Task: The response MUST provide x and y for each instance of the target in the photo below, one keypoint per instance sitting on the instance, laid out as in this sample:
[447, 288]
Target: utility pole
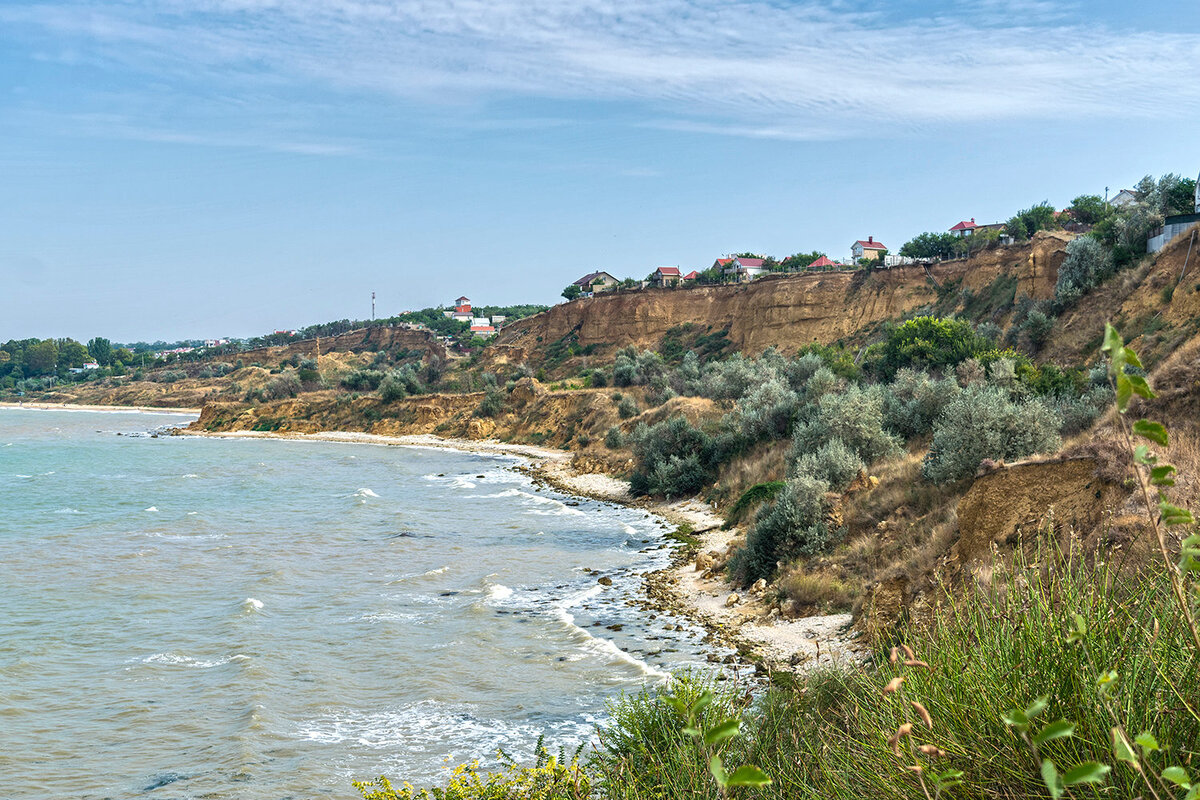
[372, 306]
[1106, 197]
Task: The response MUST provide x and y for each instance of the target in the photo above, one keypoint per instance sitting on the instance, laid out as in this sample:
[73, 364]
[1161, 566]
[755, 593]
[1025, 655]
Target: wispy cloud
[747, 67]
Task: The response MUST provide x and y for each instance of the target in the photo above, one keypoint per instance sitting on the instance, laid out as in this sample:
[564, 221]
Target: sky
[176, 169]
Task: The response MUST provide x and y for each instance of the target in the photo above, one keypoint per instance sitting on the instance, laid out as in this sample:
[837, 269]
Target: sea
[196, 617]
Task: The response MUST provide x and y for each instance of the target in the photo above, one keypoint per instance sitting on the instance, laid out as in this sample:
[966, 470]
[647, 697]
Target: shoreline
[750, 623]
[44, 406]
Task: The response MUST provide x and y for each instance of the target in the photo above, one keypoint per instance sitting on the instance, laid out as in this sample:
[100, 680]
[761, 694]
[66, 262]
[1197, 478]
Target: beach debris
[604, 580]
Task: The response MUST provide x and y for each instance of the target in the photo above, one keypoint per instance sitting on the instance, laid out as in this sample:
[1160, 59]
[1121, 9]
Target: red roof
[823, 261]
[463, 300]
[871, 245]
[691, 276]
[483, 328]
[670, 271]
[964, 226]
[750, 262]
[724, 261]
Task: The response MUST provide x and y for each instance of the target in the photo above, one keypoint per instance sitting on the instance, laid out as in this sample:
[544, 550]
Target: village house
[823, 262]
[595, 282]
[691, 277]
[869, 249]
[741, 269]
[1125, 197]
[666, 276]
[482, 326]
[964, 229]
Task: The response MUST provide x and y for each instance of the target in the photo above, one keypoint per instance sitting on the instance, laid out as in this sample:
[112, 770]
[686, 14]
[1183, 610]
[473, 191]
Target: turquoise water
[188, 617]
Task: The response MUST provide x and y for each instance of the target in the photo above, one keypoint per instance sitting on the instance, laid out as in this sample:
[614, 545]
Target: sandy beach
[85, 407]
[749, 621]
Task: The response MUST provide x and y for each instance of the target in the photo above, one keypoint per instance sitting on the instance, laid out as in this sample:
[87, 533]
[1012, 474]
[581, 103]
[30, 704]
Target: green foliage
[758, 493]
[673, 458]
[929, 343]
[613, 439]
[934, 245]
[363, 380]
[1085, 266]
[1027, 222]
[983, 422]
[1089, 209]
[914, 401]
[627, 407]
[1038, 326]
[794, 525]
[101, 350]
[572, 292]
[854, 416]
[833, 462]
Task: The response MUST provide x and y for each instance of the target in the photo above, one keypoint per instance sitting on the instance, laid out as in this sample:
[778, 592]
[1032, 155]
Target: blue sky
[200, 168]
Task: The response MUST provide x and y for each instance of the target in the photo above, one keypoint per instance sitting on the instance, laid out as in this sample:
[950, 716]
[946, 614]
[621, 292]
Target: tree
[40, 358]
[1027, 222]
[1089, 209]
[101, 350]
[931, 245]
[572, 291]
[798, 261]
[71, 353]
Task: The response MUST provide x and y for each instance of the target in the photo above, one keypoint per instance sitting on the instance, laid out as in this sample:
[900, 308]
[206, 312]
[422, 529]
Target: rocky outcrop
[1008, 505]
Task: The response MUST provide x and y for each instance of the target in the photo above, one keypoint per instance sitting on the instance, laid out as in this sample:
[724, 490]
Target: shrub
[914, 400]
[170, 376]
[983, 422]
[768, 411]
[286, 385]
[672, 458]
[613, 439]
[758, 493]
[794, 525]
[929, 343]
[363, 380]
[1038, 326]
[631, 368]
[834, 463]
[856, 417]
[1078, 412]
[1085, 266]
[492, 403]
[627, 407]
[825, 592]
[392, 389]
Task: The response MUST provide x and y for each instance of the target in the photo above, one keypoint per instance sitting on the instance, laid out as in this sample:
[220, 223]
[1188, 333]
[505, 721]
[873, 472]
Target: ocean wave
[177, 659]
[251, 604]
[386, 616]
[364, 492]
[68, 511]
[190, 475]
[498, 591]
[600, 647]
[151, 508]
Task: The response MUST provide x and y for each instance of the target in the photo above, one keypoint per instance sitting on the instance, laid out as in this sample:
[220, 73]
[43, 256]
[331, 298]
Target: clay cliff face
[784, 311]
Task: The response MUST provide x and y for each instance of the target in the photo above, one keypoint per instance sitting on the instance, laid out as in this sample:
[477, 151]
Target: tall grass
[988, 653]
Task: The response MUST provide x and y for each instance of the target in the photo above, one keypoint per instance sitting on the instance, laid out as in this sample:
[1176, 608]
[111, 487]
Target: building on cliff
[742, 269]
[666, 276]
[595, 282]
[869, 249]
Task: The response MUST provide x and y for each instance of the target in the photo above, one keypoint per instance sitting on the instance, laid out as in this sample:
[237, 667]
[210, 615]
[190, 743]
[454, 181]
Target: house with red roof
[964, 228]
[666, 276]
[690, 277]
[742, 269]
[868, 248]
[823, 262]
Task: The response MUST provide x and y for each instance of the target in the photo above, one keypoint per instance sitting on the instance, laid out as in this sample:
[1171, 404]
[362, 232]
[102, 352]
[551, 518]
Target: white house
[868, 248]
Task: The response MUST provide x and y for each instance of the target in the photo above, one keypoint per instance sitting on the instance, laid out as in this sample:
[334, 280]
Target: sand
[84, 407]
[776, 643]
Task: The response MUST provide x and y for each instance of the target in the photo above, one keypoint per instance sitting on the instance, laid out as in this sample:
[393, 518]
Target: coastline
[748, 622]
[37, 404]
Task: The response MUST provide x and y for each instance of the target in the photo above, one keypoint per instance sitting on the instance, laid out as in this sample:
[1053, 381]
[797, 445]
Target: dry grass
[766, 462]
[817, 592]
